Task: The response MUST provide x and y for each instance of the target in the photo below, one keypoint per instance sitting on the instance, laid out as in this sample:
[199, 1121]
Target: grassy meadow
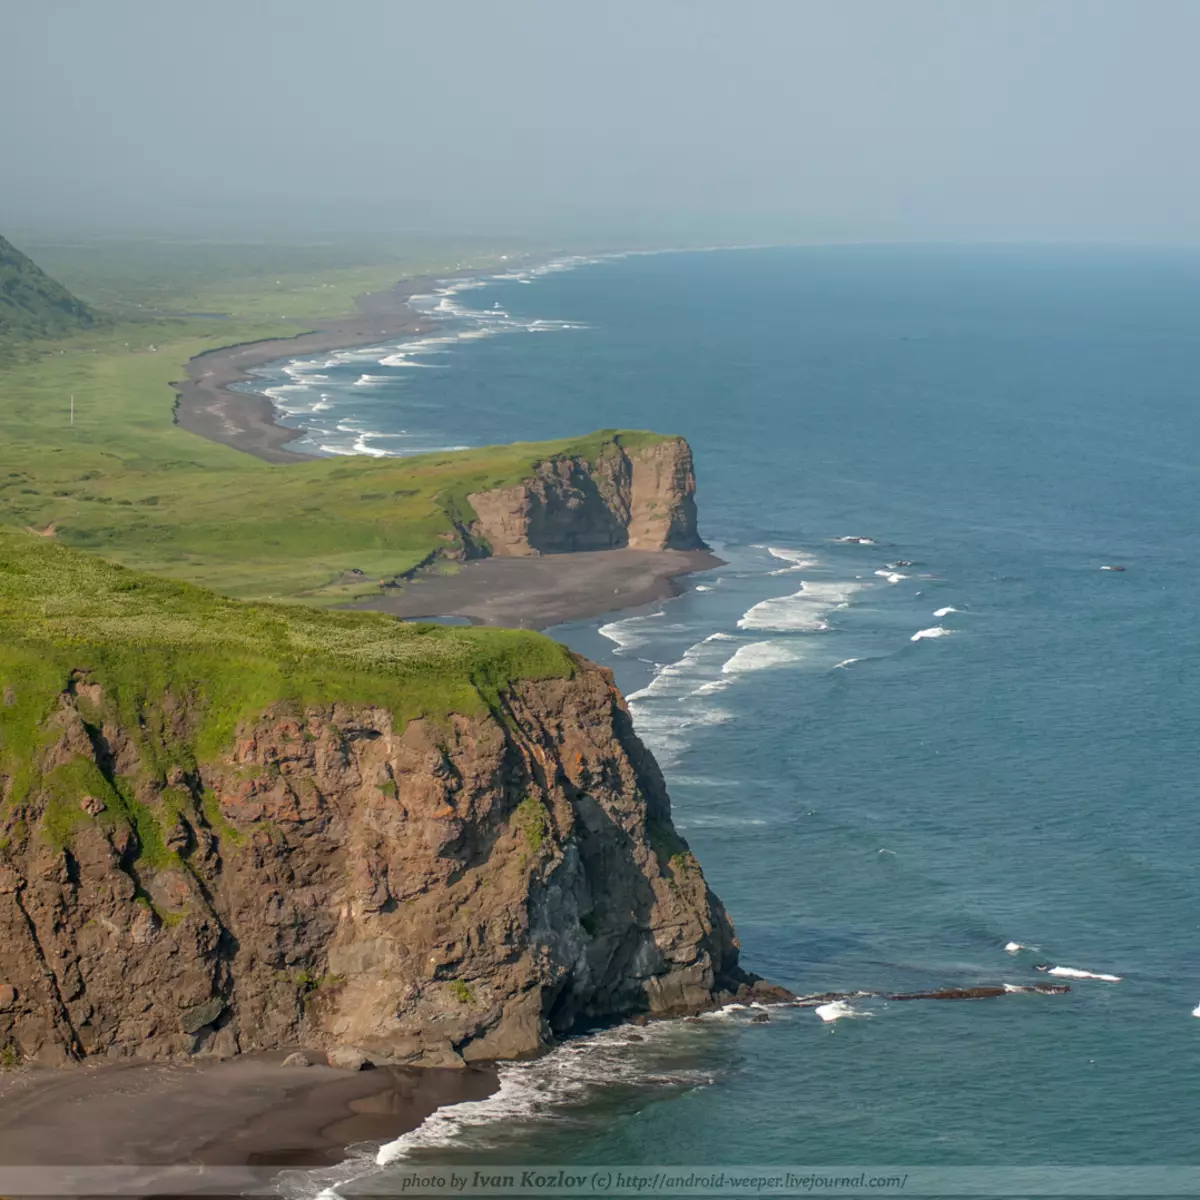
[126, 483]
[158, 649]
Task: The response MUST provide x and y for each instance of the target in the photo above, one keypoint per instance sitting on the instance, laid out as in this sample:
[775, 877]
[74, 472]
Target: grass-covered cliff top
[141, 639]
[124, 481]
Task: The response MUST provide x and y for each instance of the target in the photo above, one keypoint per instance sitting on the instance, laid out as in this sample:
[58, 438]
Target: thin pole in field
[72, 409]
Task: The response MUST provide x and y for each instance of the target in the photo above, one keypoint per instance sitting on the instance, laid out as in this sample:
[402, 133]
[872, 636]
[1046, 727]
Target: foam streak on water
[803, 610]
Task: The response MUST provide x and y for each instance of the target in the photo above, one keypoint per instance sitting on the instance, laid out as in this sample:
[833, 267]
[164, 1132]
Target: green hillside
[65, 614]
[32, 305]
[90, 455]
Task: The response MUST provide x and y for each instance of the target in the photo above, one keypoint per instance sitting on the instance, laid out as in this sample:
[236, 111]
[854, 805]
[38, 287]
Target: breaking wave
[803, 610]
[935, 631]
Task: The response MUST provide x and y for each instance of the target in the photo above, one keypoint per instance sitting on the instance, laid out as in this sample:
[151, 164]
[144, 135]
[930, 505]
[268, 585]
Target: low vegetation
[67, 616]
[122, 480]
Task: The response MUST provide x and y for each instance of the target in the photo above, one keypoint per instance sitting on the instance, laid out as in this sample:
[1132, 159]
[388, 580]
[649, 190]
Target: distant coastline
[529, 593]
[209, 406]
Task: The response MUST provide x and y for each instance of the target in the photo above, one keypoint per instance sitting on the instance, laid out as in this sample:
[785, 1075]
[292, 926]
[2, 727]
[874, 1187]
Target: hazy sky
[735, 119]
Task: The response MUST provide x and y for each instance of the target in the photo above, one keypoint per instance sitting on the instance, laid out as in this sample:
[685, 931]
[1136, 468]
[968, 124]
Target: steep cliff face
[641, 498]
[441, 893]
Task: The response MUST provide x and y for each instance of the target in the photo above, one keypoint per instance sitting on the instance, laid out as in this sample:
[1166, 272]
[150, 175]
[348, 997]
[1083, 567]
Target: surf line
[969, 993]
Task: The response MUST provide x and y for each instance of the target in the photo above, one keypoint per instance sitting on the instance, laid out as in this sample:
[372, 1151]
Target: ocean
[933, 755]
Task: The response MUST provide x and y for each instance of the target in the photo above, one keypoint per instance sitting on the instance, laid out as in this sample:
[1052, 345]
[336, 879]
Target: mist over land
[676, 122]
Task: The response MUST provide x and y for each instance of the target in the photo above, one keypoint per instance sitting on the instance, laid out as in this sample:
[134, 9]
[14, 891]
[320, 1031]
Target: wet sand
[249, 1111]
[208, 406]
[535, 593]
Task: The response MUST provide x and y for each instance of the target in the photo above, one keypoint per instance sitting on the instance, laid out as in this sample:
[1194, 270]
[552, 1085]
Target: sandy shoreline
[536, 593]
[208, 406]
[248, 1111]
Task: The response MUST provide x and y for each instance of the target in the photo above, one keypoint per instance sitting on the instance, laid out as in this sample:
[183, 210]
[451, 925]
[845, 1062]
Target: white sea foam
[1196, 1011]
[1017, 947]
[363, 446]
[803, 610]
[628, 633]
[854, 540]
[891, 576]
[370, 380]
[677, 701]
[836, 1010]
[760, 656]
[702, 587]
[1076, 973]
[846, 662]
[936, 632]
[797, 560]
[539, 1090]
[669, 732]
[695, 658]
[944, 612]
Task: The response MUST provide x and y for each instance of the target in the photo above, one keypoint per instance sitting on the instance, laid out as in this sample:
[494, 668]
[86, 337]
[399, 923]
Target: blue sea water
[878, 811]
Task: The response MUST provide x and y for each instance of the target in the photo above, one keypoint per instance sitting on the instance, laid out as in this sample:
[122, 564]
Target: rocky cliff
[642, 497]
[433, 892]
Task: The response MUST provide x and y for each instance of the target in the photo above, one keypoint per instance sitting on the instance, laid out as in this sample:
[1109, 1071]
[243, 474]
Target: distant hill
[31, 303]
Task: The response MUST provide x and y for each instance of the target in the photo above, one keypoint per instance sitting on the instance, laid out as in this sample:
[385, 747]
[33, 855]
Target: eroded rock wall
[443, 893]
[643, 499]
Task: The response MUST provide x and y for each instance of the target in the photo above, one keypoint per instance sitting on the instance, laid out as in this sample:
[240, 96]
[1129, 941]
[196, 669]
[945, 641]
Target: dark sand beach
[535, 593]
[209, 406]
[248, 1111]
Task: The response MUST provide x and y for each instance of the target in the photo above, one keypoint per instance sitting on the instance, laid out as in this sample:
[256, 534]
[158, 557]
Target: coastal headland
[97, 459]
[522, 591]
[232, 827]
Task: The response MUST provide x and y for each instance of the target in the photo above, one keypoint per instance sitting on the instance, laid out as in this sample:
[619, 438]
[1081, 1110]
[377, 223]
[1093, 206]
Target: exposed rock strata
[443, 893]
[642, 499]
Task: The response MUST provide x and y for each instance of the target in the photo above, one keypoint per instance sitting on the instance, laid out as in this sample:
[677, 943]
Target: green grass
[531, 819]
[461, 991]
[126, 482]
[149, 642]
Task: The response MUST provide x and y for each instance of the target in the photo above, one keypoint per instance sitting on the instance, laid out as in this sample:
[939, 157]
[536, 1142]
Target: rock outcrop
[438, 894]
[641, 498]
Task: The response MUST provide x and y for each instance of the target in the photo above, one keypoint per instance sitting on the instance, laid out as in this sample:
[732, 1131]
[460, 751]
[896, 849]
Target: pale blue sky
[962, 119]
